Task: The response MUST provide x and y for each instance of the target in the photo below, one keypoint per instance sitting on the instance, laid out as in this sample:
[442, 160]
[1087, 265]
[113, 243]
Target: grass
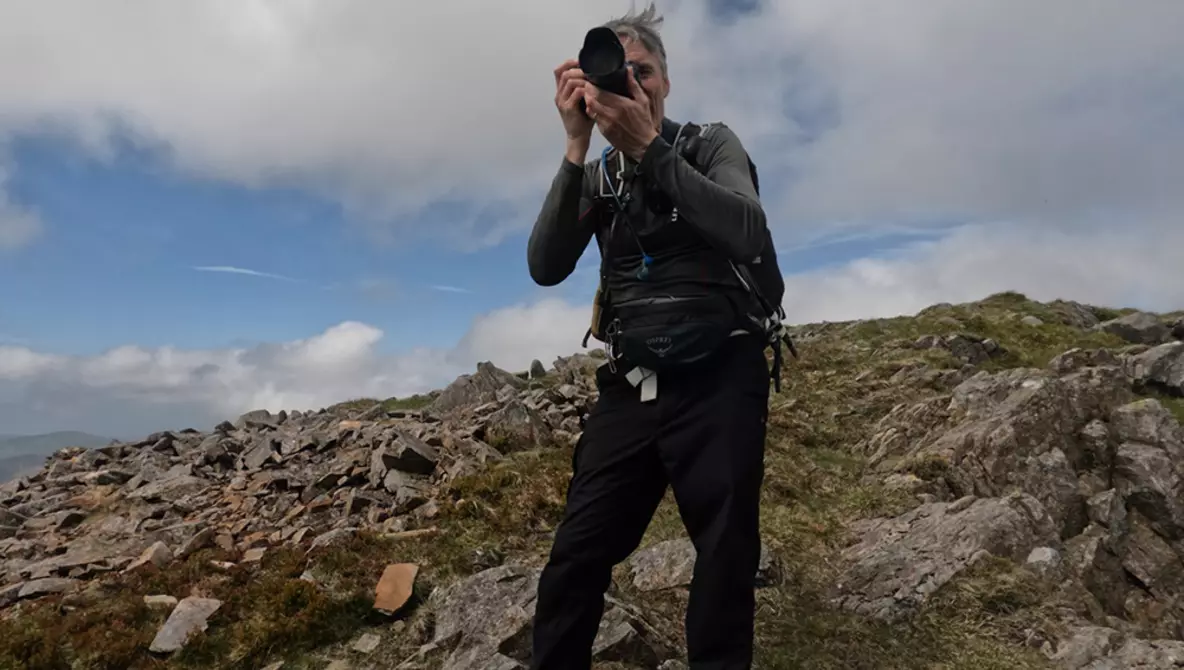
[816, 486]
[408, 403]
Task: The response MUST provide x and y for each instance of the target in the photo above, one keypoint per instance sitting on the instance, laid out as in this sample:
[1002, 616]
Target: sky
[207, 208]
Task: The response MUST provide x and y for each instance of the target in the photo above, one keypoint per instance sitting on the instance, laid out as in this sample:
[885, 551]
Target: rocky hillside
[990, 485]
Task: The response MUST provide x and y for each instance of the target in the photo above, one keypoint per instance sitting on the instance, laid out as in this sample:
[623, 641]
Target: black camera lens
[602, 55]
[603, 61]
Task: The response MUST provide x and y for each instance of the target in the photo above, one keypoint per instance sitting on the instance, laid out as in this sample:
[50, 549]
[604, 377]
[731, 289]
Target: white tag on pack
[649, 387]
[648, 379]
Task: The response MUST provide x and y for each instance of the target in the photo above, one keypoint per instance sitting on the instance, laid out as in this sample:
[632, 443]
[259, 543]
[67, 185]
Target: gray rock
[1143, 655]
[1019, 429]
[470, 391]
[47, 586]
[1075, 359]
[489, 616]
[1137, 328]
[170, 489]
[899, 562]
[515, 427]
[259, 418]
[260, 454]
[410, 454]
[1160, 368]
[1044, 561]
[367, 643]
[1084, 645]
[188, 617]
[671, 564]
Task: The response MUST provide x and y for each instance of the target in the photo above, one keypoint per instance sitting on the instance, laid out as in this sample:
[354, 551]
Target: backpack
[761, 277]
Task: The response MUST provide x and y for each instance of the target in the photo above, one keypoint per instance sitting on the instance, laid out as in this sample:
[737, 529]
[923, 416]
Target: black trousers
[704, 435]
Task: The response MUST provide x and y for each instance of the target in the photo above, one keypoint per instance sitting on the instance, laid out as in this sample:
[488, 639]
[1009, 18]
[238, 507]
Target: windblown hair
[643, 27]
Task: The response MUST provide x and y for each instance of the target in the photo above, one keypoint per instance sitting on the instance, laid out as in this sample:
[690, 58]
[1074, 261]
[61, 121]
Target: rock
[1083, 646]
[160, 601]
[1075, 359]
[259, 418]
[1137, 328]
[470, 391]
[485, 621]
[1145, 464]
[367, 643]
[1160, 368]
[10, 594]
[1143, 654]
[1044, 561]
[46, 586]
[158, 555]
[899, 562]
[515, 427]
[260, 454]
[671, 564]
[188, 617]
[410, 454]
[537, 370]
[171, 489]
[1033, 321]
[395, 587]
[1074, 314]
[1022, 429]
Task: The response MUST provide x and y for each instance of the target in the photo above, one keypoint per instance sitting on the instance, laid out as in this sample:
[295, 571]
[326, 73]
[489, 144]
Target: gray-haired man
[683, 401]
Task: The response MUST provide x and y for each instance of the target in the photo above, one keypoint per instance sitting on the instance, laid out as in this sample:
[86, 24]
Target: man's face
[649, 71]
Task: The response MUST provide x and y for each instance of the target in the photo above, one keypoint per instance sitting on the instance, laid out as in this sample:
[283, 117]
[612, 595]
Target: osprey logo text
[660, 344]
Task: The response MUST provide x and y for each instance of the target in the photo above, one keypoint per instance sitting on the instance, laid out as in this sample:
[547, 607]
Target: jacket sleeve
[722, 201]
[561, 232]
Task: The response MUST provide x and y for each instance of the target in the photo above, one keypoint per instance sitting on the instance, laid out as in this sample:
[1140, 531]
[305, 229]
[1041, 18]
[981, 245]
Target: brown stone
[395, 587]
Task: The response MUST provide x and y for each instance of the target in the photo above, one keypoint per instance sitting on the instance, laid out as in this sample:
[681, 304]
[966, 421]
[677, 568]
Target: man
[698, 427]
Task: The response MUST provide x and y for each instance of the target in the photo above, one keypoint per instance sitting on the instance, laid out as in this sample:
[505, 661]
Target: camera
[602, 59]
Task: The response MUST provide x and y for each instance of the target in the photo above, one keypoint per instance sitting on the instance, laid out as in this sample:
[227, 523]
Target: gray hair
[642, 27]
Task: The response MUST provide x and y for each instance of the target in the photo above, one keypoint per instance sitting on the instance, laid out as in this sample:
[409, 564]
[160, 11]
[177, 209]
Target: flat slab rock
[188, 617]
[899, 562]
[485, 623]
[671, 564]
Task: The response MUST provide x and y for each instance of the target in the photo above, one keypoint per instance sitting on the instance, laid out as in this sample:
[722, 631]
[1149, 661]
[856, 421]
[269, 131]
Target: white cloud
[230, 269]
[1111, 268]
[857, 112]
[132, 389]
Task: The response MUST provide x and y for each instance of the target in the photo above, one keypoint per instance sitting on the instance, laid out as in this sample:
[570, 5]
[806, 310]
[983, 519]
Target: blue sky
[905, 159]
[117, 263]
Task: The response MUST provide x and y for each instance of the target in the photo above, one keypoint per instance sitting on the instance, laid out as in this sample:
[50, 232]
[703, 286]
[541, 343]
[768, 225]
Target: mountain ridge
[986, 485]
[19, 453]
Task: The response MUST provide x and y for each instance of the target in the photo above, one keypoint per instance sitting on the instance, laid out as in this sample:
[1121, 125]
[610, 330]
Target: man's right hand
[569, 91]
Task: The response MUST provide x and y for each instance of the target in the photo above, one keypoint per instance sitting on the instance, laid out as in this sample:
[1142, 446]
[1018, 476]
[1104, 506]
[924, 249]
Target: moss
[927, 466]
[412, 402]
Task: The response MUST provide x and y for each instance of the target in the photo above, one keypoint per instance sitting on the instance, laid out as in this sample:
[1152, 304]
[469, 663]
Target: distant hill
[21, 453]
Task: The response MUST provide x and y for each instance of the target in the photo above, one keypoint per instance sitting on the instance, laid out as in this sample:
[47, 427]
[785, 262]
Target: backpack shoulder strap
[705, 133]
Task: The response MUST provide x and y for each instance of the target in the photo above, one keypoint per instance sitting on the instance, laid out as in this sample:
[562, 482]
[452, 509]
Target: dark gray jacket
[719, 218]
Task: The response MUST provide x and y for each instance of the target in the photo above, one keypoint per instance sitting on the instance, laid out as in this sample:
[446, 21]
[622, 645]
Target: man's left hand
[626, 123]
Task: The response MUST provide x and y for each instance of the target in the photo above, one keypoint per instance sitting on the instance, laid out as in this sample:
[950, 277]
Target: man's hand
[569, 89]
[627, 124]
